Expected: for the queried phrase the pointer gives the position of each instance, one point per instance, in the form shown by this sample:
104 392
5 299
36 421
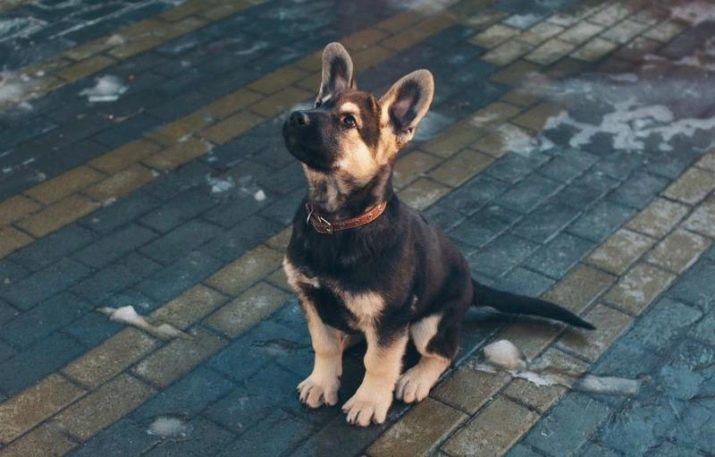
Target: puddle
128 315
503 355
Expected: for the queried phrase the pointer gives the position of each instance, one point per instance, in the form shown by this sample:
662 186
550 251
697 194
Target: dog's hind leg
414 385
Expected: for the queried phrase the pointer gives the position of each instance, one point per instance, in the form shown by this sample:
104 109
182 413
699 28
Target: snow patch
424 6
220 185
116 40
128 315
259 195
169 428
695 13
107 88
504 354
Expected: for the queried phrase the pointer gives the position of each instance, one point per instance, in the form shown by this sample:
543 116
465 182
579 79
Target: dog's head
351 135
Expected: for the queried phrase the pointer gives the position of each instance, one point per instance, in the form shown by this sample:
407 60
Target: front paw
315 392
368 405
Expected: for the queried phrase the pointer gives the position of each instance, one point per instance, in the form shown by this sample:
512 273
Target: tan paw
368 406
315 392
414 385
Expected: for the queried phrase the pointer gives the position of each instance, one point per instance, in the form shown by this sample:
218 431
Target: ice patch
128 315
259 195
107 88
169 428
220 185
607 385
13 88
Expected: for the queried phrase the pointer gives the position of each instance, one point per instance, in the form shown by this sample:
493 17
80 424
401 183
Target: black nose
299 119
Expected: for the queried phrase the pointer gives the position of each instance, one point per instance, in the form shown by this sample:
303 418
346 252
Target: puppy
362 262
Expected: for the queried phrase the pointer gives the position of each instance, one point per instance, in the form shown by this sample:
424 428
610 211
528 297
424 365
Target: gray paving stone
183 207
53 247
284 208
121 213
501 255
121 439
232 243
696 285
484 226
190 176
568 426
443 217
127 271
559 255
525 282
528 193
592 449
181 240
7 312
205 438
236 208
546 221
44 283
600 221
113 246
662 324
513 167
92 328
37 361
473 195
561 169
638 189
170 281
284 430
521 450
11 272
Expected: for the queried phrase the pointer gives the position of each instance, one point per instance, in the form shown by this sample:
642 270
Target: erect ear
407 102
337 72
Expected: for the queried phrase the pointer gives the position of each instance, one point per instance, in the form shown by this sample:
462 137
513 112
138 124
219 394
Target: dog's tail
518 304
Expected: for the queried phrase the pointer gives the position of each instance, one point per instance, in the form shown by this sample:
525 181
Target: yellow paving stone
610 15
23 411
515 73
494 36
311 83
452 140
535 118
507 52
102 407
565 68
85 68
223 10
692 186
44 441
412 166
281 101
540 32
65 184
279 279
484 18
363 39
460 167
110 358
540 398
15 208
12 239
230 127
658 218
121 183
469 390
231 103
367 58
493 113
57 215
280 241
579 287
311 61
237 276
522 98
88 49
707 162
702 220
422 192
620 251
405 39
399 22
189 307
550 52
183 10
664 32
590 344
624 31
277 80
426 425
178 357
181 129
124 156
136 46
493 431
501 140
679 250
247 309
532 336
173 157
581 32
639 287
594 49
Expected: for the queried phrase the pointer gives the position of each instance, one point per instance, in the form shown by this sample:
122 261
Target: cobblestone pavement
568 152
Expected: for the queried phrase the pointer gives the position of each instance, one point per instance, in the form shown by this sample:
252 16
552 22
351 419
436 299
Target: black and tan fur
391 280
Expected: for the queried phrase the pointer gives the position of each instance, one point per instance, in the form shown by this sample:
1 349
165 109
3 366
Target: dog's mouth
313 157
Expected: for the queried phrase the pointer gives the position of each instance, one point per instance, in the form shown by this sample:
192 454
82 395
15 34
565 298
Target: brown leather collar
322 225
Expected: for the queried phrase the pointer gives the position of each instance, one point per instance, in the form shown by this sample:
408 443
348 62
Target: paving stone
57 215
594 49
638 190
66 184
559 255
92 329
520 450
493 431
541 32
452 140
624 31
692 186
168 282
110 358
253 443
189 307
501 255
600 221
184 238
177 210
528 193
43 440
16 208
546 221
550 52
662 325
696 286
663 32
99 409
639 287
525 282
460 167
580 32
494 35
116 245
422 193
207 439
108 219
610 324
484 226
580 287
121 183
507 52
248 269
678 251
30 407
101 286
474 194
468 390
707 162
412 166
44 283
658 218
620 251
513 167
429 422
702 220
502 140
172 361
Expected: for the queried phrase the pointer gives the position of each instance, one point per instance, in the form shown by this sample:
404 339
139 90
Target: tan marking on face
356 160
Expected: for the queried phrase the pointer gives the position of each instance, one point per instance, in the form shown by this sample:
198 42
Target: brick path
149 201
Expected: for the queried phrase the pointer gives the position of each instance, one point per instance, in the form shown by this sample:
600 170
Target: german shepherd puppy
362 262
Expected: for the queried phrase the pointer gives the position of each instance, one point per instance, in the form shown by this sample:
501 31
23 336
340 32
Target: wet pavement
568 152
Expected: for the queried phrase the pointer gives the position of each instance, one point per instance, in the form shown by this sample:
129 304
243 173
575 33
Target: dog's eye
348 121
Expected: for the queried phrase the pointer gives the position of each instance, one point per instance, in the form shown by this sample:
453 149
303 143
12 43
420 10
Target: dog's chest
336 307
